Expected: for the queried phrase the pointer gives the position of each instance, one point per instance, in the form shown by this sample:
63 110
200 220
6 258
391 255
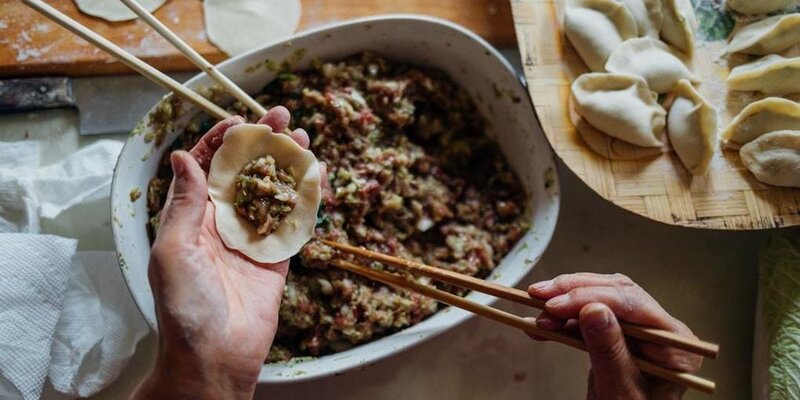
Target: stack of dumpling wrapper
640 51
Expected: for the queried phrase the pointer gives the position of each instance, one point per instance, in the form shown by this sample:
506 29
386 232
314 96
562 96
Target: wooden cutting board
658 187
32 45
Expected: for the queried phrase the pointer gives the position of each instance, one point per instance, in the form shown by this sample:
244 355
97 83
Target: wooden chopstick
657 336
196 58
681 378
126 58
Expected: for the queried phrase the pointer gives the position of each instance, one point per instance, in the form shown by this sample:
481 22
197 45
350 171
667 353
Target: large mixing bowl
468 59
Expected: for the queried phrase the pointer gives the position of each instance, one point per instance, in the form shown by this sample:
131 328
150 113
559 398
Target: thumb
615 375
186 202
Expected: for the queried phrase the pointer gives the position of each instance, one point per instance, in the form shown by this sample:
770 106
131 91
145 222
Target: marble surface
706 278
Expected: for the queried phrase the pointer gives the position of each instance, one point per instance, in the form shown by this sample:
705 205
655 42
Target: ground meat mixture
413 175
265 194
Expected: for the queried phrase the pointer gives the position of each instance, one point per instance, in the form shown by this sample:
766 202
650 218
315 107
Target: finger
615 374
590 386
533 335
182 217
549 322
629 303
277 118
204 150
300 136
564 283
670 357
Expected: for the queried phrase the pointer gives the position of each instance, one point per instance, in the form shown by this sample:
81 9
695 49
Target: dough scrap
242 144
114 10
238 26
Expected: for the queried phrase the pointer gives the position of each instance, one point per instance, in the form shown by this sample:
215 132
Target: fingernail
597 319
177 164
558 301
542 285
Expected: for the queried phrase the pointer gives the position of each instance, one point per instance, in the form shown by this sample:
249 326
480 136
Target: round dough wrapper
114 10
242 144
238 26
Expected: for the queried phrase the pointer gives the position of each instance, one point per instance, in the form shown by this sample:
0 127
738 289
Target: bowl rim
554 205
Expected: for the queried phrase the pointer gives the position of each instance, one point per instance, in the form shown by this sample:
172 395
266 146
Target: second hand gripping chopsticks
643 333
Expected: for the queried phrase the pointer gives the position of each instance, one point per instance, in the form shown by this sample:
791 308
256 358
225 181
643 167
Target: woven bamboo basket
656 186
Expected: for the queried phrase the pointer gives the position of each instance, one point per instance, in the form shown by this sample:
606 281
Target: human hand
593 303
217 310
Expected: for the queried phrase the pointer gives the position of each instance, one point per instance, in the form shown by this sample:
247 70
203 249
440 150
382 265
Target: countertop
705 278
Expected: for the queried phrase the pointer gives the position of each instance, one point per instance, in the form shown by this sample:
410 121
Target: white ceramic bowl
468 59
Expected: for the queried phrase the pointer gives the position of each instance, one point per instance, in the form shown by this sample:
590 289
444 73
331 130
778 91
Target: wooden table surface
30 44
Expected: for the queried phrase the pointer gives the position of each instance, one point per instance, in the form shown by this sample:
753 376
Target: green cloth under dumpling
779 284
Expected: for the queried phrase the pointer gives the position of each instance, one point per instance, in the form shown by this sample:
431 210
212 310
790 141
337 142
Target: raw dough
240 145
238 26
114 10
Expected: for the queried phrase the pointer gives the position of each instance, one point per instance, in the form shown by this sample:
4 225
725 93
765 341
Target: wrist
187 376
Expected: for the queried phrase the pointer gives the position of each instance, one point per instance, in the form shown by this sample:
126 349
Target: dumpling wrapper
760 117
660 65
677 27
647 14
774 158
609 146
238 26
242 144
692 128
114 10
768 36
596 27
620 105
771 75
755 7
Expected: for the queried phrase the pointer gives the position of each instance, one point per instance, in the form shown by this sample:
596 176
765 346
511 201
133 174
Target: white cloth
65 317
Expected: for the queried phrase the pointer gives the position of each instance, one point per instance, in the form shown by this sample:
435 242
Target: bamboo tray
659 187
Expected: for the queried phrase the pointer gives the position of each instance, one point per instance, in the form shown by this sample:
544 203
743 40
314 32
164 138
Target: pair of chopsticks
656 336
147 70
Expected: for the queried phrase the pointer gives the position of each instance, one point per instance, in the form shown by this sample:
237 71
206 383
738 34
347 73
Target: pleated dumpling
768 36
661 66
772 75
596 27
647 14
763 116
620 105
677 26
692 128
755 7
774 158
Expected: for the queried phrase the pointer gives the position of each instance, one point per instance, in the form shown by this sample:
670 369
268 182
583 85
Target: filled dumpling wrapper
772 75
755 7
692 128
596 27
608 146
763 116
620 105
774 158
660 65
768 36
241 145
647 14
677 27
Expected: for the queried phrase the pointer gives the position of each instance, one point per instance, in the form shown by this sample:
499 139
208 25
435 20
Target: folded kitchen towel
35 271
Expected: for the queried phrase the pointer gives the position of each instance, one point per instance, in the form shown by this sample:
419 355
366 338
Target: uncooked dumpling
609 146
677 27
238 26
647 14
767 115
774 158
661 66
596 27
772 75
242 144
768 36
620 105
753 7
692 128
114 10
